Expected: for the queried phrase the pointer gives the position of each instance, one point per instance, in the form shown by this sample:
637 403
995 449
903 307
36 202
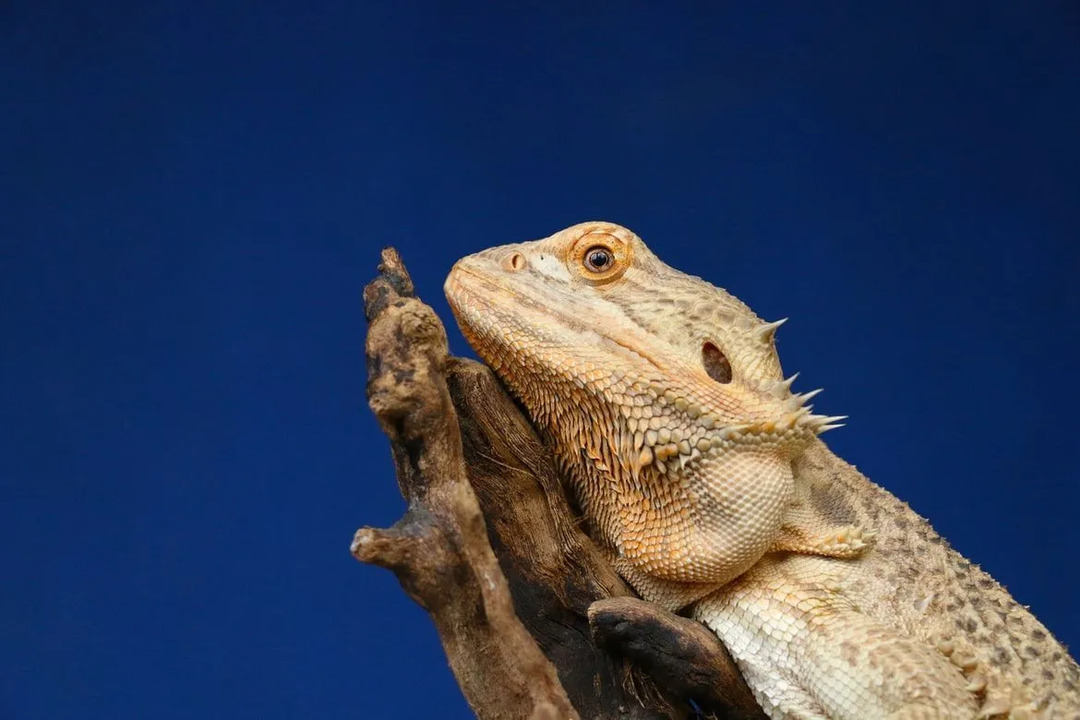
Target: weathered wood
439 549
491 548
682 655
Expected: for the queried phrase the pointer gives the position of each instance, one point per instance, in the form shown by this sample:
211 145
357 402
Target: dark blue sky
193 199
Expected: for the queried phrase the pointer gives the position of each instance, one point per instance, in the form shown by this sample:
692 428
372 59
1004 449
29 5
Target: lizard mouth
466 287
476 298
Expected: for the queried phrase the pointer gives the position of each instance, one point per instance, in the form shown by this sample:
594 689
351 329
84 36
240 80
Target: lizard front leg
808 652
811 530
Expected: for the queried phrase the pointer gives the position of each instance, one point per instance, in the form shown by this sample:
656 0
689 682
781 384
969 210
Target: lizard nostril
515 262
716 365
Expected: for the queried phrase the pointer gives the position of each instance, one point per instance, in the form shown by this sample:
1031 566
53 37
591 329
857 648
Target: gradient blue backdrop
194 197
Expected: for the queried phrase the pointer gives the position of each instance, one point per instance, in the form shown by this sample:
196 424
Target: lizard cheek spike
699 471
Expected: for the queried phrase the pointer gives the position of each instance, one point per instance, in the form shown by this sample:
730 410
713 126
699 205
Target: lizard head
640 375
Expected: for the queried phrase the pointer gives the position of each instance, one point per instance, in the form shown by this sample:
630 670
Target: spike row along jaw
795 402
652 441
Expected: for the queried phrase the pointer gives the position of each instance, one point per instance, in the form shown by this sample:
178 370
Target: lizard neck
671 495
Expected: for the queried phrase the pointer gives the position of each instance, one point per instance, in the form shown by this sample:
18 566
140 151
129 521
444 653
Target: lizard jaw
491 311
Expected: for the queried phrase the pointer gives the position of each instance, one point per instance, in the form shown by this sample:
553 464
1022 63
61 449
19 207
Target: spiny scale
767 332
781 388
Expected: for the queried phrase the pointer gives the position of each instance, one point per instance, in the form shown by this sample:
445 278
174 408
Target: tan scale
663 399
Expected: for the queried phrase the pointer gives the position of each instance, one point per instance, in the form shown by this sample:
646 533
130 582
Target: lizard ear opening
716 364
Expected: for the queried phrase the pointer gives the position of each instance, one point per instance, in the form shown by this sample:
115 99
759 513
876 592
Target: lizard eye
598 258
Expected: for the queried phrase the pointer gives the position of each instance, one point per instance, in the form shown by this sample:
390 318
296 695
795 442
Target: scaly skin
699 472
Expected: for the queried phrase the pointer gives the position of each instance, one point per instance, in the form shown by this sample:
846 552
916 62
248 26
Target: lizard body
700 473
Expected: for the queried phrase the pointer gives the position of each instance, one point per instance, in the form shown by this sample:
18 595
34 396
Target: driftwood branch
682 655
534 622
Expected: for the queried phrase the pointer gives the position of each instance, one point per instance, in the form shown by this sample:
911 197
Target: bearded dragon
701 474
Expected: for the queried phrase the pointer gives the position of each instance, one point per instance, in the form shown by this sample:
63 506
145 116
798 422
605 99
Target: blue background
194 197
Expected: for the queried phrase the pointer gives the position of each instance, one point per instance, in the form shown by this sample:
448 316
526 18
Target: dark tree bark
535 623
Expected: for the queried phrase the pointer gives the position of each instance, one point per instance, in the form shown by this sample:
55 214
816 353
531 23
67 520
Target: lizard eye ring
600 257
